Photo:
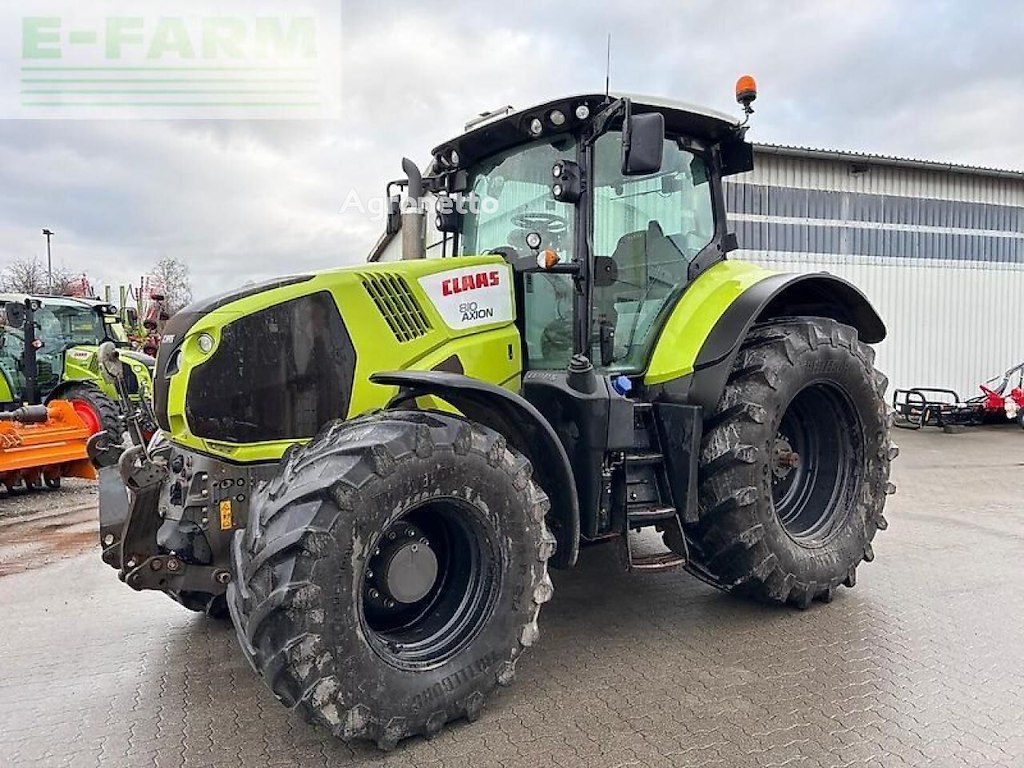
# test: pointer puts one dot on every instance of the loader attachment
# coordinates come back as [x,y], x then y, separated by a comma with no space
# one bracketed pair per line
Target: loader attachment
[43,444]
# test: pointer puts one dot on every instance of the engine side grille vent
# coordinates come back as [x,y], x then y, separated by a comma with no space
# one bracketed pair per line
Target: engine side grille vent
[397,305]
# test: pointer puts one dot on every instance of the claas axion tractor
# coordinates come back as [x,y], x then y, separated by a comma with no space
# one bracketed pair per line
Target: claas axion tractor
[372,468]
[50,398]
[51,354]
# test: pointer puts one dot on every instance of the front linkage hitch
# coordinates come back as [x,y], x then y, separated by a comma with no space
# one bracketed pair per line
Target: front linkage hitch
[132,479]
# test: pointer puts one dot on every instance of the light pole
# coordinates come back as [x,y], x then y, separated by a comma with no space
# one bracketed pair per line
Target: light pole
[49,262]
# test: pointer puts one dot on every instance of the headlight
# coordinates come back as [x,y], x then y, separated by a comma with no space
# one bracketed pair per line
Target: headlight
[206,343]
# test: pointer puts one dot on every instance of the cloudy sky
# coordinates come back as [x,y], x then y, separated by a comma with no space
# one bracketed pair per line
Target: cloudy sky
[242,200]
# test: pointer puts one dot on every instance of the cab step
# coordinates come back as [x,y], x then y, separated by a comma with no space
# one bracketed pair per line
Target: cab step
[641,516]
[659,561]
[644,457]
[663,560]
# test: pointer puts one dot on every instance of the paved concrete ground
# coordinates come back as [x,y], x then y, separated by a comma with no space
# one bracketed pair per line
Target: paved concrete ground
[922,664]
[37,528]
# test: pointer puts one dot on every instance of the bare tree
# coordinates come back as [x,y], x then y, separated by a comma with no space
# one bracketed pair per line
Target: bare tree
[24,275]
[176,279]
[28,275]
[63,281]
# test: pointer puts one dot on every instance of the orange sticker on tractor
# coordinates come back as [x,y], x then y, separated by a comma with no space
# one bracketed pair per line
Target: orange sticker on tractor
[225,515]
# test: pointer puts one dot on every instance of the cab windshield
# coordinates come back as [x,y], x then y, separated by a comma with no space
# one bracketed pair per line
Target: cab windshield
[509,197]
[61,327]
[115,331]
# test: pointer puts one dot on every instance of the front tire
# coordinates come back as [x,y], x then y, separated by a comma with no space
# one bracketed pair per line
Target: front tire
[392,573]
[794,464]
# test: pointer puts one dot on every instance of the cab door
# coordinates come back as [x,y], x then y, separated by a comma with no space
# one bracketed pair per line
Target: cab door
[646,232]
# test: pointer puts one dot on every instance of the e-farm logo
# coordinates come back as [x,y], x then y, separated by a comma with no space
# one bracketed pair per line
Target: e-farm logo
[199,59]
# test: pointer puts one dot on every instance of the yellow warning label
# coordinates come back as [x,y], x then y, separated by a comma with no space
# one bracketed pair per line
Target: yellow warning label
[225,515]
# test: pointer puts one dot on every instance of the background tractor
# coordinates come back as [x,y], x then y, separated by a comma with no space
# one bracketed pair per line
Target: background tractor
[66,336]
[41,443]
[376,465]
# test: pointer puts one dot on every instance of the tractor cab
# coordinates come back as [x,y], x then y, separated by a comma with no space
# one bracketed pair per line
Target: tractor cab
[52,354]
[61,325]
[606,207]
[42,439]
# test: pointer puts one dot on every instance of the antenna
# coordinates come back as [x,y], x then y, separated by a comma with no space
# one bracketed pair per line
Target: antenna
[608,70]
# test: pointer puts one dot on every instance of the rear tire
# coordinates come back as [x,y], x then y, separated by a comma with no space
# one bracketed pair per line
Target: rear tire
[370,649]
[794,464]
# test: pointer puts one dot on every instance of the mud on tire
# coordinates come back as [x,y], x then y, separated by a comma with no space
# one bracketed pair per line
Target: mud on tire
[304,574]
[780,522]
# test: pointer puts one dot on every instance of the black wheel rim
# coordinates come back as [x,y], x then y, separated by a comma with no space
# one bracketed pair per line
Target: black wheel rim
[414,624]
[816,461]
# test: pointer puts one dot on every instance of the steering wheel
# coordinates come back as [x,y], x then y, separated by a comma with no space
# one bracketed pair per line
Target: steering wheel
[551,223]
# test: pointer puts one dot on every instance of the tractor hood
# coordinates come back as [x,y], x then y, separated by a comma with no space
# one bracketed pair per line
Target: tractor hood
[140,357]
[245,374]
[81,363]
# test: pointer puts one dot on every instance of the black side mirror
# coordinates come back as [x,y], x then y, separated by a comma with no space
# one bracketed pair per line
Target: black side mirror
[459,182]
[643,144]
[15,315]
[394,222]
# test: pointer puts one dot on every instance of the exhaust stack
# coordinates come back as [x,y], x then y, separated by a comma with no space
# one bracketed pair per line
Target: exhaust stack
[414,218]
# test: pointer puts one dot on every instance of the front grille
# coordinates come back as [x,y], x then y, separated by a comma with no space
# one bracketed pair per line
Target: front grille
[397,305]
[279,373]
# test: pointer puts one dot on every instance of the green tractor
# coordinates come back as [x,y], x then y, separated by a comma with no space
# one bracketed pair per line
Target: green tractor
[67,333]
[372,468]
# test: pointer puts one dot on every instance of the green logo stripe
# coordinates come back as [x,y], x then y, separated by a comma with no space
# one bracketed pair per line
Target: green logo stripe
[208,104]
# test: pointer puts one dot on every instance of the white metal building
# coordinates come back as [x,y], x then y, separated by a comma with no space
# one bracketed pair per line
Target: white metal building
[938,248]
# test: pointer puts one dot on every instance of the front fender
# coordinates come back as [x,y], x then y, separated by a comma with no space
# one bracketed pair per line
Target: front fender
[525,429]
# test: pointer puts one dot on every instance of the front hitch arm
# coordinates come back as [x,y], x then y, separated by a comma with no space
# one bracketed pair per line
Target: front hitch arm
[144,480]
[105,455]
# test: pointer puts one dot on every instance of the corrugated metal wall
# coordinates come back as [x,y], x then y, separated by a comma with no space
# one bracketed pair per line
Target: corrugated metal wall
[947,277]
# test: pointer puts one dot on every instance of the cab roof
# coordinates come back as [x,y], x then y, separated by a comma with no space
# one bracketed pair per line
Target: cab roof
[53,301]
[494,132]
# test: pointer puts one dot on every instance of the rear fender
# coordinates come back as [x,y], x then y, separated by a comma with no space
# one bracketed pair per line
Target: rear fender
[771,296]
[525,429]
